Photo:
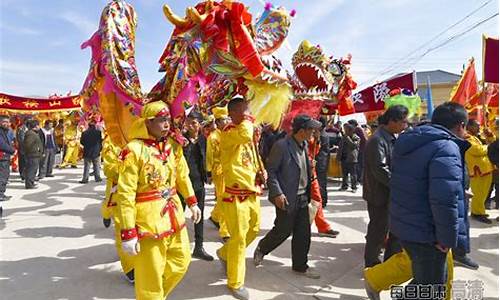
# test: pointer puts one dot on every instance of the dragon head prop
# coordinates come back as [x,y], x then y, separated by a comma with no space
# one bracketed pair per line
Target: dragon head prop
[323,78]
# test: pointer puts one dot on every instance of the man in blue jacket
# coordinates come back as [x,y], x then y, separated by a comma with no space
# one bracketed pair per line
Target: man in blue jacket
[6,150]
[427,191]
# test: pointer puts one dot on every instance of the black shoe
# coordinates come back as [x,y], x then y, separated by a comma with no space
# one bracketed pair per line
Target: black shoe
[31,187]
[216,224]
[258,257]
[481,218]
[1,211]
[130,276]
[106,222]
[83,182]
[330,233]
[200,253]
[466,262]
[74,167]
[49,175]
[98,180]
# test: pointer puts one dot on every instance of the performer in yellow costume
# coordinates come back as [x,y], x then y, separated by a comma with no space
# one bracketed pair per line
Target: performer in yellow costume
[214,168]
[396,271]
[240,200]
[480,172]
[72,143]
[152,171]
[110,154]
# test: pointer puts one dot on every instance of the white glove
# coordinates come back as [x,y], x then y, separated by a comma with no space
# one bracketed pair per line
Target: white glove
[131,247]
[195,213]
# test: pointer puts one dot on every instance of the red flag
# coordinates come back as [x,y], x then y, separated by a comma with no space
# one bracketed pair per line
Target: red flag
[490,59]
[467,87]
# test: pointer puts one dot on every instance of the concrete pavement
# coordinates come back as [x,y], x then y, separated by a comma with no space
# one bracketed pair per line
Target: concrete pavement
[54,246]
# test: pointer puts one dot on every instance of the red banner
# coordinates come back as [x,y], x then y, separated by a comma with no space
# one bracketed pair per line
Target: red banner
[467,87]
[490,60]
[28,105]
[372,98]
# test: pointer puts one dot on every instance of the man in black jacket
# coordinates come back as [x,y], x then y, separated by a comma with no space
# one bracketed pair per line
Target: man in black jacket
[323,161]
[289,184]
[33,150]
[92,144]
[20,133]
[347,155]
[6,150]
[195,155]
[377,173]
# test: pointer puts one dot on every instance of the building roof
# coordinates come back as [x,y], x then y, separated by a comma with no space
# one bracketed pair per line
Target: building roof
[437,77]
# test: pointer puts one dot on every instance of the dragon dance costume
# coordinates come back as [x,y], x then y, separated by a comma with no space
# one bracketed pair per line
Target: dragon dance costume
[480,173]
[150,176]
[240,200]
[215,168]
[111,166]
[72,142]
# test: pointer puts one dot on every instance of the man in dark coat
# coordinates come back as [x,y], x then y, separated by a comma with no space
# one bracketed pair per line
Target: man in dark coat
[33,151]
[92,145]
[50,149]
[377,173]
[195,155]
[427,191]
[289,184]
[6,150]
[347,155]
[20,133]
[323,161]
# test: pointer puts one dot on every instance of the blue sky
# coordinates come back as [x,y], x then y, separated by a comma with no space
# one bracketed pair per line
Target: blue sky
[40,40]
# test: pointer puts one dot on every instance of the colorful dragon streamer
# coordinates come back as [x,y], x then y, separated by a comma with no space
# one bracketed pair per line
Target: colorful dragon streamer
[215,52]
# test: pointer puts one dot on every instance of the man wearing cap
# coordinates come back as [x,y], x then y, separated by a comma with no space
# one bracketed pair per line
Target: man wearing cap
[289,185]
[240,201]
[153,170]
[214,169]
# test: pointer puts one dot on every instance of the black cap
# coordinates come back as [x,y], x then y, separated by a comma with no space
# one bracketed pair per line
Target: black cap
[304,122]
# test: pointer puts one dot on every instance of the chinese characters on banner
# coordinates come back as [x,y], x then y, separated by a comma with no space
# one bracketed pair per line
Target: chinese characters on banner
[24,104]
[371,98]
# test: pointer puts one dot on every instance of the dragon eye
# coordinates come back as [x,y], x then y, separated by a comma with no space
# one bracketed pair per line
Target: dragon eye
[335,69]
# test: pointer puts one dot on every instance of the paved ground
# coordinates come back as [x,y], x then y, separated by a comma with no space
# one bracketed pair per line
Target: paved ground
[54,246]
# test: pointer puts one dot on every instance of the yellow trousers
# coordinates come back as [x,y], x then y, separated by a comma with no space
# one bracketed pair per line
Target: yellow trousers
[397,270]
[217,214]
[243,221]
[71,156]
[160,265]
[480,186]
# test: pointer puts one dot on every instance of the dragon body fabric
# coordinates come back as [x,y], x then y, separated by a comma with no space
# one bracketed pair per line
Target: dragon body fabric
[320,83]
[215,52]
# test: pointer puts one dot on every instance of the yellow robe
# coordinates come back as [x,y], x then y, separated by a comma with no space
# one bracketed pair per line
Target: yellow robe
[240,200]
[214,166]
[480,173]
[72,143]
[150,177]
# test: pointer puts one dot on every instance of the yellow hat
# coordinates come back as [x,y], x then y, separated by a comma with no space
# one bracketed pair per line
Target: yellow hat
[155,109]
[220,112]
[151,110]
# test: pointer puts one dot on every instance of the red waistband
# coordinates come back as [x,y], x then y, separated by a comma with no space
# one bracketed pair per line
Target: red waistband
[153,195]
